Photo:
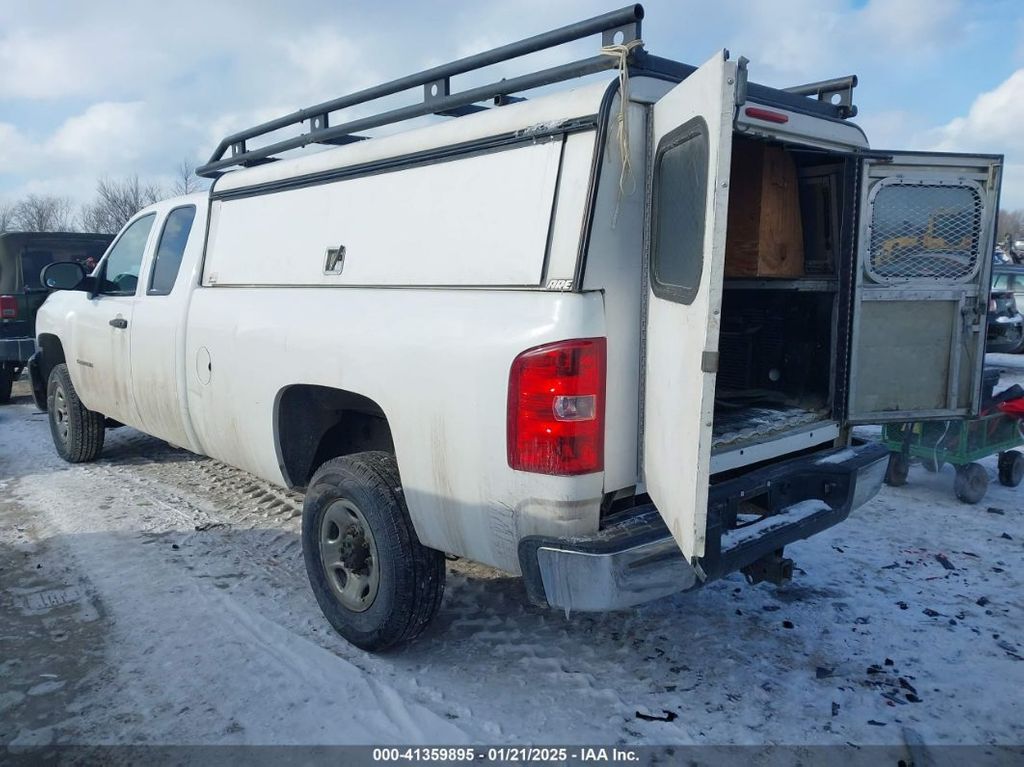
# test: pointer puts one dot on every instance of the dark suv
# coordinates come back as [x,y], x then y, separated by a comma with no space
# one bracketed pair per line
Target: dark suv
[22,257]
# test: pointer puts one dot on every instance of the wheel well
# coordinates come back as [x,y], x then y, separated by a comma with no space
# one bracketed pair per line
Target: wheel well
[52,355]
[313,424]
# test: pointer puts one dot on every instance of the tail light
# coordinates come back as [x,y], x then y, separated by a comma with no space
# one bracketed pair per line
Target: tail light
[8,307]
[556,408]
[992,306]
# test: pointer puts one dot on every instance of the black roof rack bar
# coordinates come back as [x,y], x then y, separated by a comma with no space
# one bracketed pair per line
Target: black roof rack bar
[341,132]
[838,91]
[437,97]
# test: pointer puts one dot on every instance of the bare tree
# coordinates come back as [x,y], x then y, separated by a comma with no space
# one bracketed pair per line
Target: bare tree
[1011,223]
[116,202]
[6,216]
[43,213]
[185,179]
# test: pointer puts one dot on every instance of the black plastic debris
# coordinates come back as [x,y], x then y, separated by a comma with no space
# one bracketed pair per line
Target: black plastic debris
[944,561]
[931,613]
[669,716]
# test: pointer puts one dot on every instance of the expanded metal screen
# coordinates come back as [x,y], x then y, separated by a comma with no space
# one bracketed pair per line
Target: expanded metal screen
[924,232]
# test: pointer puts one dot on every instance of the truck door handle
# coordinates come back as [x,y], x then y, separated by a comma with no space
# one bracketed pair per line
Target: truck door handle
[119,322]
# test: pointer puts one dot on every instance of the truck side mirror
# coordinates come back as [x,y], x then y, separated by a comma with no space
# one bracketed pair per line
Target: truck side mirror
[63,275]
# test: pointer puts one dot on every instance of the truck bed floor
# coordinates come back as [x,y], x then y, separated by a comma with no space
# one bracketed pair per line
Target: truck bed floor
[734,426]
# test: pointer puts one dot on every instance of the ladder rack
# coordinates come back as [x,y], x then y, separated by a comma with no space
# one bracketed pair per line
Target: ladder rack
[837,91]
[832,98]
[621,26]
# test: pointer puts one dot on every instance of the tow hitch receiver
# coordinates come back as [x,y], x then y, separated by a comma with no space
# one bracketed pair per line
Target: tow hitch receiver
[773,568]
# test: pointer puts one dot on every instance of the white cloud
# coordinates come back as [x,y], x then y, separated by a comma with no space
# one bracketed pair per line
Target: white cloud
[14,148]
[992,125]
[995,117]
[106,133]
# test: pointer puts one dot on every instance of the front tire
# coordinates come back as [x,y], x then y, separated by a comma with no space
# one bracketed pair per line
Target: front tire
[77,431]
[376,584]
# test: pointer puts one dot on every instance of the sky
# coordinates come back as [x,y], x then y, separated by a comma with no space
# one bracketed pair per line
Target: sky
[112,89]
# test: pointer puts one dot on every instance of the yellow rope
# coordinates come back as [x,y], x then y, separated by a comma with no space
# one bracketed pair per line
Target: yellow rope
[622,51]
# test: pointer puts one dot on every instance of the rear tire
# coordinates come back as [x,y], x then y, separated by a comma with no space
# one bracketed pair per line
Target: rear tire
[897,471]
[1011,468]
[77,431]
[376,584]
[971,482]
[6,382]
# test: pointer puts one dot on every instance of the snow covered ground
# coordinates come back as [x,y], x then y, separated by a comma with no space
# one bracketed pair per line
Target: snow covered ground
[157,597]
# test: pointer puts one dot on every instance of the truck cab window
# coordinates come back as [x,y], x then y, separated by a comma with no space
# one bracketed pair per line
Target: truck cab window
[171,248]
[122,265]
[679,207]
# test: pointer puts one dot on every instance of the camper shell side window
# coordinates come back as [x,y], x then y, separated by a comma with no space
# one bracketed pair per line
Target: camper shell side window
[679,204]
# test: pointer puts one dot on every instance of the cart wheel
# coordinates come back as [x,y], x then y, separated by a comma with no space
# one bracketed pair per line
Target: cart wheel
[971,482]
[899,467]
[931,464]
[1011,468]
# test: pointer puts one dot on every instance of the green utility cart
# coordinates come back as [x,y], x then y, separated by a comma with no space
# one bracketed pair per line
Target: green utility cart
[961,443]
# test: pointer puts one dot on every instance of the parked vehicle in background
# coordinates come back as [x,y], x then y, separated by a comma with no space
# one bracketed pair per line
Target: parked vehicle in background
[618,363]
[1002,257]
[1005,321]
[22,257]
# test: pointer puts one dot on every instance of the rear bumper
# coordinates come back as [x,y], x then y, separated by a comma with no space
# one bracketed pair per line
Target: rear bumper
[634,558]
[17,349]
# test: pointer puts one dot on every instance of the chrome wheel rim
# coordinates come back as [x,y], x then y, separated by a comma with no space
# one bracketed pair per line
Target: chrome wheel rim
[60,413]
[348,553]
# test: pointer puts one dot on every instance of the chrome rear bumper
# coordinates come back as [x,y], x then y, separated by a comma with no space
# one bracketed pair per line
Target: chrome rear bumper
[634,559]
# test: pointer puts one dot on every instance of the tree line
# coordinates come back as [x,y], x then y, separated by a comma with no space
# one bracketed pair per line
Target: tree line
[1010,225]
[115,201]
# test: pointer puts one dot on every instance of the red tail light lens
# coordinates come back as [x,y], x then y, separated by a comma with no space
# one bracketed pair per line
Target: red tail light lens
[767,115]
[8,307]
[556,408]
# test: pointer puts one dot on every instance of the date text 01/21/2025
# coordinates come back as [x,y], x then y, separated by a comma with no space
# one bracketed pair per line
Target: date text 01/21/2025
[503,754]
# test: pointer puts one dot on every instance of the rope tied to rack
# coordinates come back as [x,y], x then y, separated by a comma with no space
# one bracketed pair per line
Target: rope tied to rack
[622,52]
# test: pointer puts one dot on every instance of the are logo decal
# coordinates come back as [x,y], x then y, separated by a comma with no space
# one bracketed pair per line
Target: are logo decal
[559,284]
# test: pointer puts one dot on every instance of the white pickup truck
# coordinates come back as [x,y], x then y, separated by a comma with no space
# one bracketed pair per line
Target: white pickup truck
[532,333]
